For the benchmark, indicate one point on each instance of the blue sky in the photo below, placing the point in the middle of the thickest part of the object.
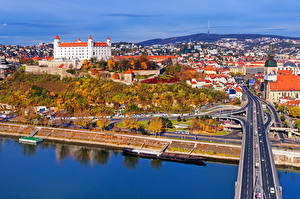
(34, 21)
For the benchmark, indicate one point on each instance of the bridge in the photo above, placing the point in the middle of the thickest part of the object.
(257, 176)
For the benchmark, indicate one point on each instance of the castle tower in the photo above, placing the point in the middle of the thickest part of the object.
(108, 41)
(56, 47)
(90, 47)
(270, 72)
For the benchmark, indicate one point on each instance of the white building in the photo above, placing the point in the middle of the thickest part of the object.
(81, 50)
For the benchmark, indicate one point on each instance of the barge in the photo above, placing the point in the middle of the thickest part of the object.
(184, 158)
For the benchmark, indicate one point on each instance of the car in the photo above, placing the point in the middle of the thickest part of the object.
(259, 128)
(272, 190)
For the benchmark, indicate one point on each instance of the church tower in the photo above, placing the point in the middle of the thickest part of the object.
(270, 72)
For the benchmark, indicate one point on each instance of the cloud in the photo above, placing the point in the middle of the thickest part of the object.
(32, 25)
(129, 15)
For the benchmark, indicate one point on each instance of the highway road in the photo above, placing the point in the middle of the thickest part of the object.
(267, 168)
(247, 166)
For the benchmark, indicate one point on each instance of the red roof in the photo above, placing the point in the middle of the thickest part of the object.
(129, 71)
(150, 57)
(209, 68)
(285, 72)
(90, 37)
(292, 103)
(100, 44)
(108, 38)
(73, 44)
(56, 37)
(60, 66)
(287, 82)
(79, 39)
(237, 89)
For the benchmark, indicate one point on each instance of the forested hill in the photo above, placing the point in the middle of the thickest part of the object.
(209, 38)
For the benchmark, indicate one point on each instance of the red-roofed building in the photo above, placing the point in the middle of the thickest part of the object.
(209, 70)
(287, 85)
(157, 59)
(81, 50)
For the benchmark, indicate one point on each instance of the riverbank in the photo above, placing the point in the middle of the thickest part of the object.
(209, 150)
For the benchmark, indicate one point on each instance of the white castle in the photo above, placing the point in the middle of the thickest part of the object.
(81, 50)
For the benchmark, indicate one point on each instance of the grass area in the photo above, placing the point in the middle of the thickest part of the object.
(141, 123)
(187, 122)
(219, 133)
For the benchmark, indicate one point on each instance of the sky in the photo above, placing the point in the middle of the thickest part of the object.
(27, 22)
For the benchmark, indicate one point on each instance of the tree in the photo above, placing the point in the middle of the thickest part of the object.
(131, 123)
(111, 64)
(281, 108)
(156, 125)
(166, 122)
(132, 64)
(294, 111)
(297, 124)
(144, 65)
(85, 123)
(195, 125)
(102, 123)
(178, 119)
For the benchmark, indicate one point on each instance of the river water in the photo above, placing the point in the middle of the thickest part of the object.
(56, 170)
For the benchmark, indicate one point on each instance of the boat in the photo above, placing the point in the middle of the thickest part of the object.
(30, 140)
(185, 158)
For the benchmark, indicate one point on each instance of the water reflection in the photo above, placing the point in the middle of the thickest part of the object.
(82, 154)
(131, 162)
(156, 164)
(28, 150)
(102, 157)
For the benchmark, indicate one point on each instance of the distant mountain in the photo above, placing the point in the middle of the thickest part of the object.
(204, 37)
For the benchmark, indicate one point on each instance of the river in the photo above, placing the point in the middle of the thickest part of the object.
(57, 170)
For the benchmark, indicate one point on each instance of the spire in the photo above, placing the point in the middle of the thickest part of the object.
(79, 40)
(271, 62)
(108, 38)
(271, 53)
(57, 37)
(90, 38)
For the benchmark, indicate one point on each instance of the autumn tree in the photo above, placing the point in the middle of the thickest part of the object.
(85, 123)
(195, 125)
(144, 65)
(156, 125)
(111, 64)
(294, 111)
(102, 123)
(131, 123)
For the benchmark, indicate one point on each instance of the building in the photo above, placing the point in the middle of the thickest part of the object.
(270, 72)
(286, 86)
(81, 50)
(279, 84)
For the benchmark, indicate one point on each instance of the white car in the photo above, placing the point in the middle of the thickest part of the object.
(272, 190)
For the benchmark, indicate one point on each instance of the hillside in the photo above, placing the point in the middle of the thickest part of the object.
(204, 37)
